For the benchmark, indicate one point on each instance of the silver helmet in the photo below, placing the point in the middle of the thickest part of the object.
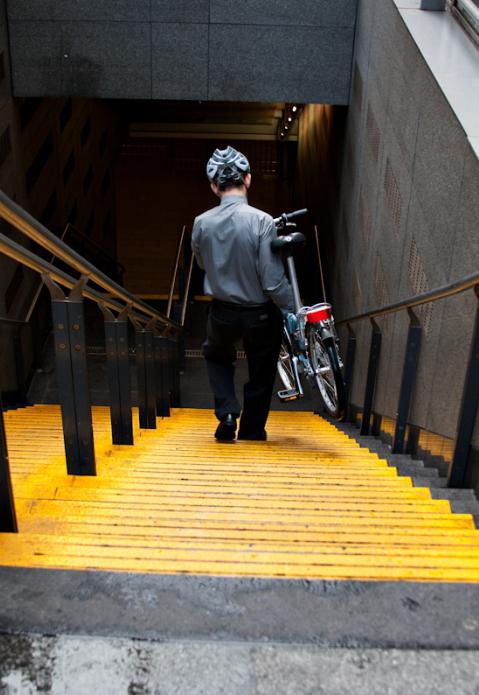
(227, 167)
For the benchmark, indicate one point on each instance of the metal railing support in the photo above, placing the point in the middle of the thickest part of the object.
(162, 376)
(376, 424)
(118, 371)
(412, 443)
(71, 368)
(174, 365)
(8, 518)
(145, 371)
(175, 271)
(468, 411)
(411, 360)
(374, 355)
(349, 371)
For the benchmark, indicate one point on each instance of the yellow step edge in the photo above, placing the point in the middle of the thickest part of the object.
(226, 509)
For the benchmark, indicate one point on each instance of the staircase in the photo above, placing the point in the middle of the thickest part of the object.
(310, 503)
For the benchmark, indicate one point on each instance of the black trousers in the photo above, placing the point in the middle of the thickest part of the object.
(260, 329)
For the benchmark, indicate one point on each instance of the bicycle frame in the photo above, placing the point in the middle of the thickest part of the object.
(313, 348)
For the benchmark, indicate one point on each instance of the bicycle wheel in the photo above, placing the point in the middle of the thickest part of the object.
(327, 373)
(285, 367)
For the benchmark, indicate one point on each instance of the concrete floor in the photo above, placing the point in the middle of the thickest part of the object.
(81, 666)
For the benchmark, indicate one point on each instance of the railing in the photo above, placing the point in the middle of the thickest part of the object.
(467, 14)
(18, 325)
(183, 276)
(157, 350)
(470, 396)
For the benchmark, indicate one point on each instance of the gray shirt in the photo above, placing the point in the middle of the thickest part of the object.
(232, 243)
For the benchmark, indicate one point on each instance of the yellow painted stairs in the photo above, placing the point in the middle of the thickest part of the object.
(308, 503)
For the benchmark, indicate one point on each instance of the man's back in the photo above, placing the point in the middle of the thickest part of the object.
(232, 243)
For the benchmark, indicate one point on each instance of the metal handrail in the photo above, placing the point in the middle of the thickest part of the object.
(28, 225)
(29, 259)
(11, 322)
(36, 297)
(187, 290)
(465, 283)
(470, 397)
(175, 271)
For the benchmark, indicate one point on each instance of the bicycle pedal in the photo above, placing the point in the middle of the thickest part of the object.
(289, 395)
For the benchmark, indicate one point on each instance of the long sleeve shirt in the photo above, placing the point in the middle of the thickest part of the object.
(232, 243)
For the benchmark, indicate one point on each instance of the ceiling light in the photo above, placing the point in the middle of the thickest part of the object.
(294, 109)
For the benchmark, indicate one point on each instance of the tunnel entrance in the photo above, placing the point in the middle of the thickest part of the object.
(161, 183)
(124, 178)
(161, 186)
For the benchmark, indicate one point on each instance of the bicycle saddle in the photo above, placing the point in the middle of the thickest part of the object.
(294, 239)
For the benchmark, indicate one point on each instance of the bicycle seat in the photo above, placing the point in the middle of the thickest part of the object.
(289, 240)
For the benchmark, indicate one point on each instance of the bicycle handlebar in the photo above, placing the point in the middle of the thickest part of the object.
(286, 217)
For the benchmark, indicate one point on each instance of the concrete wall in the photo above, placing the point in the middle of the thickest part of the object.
(407, 218)
(255, 50)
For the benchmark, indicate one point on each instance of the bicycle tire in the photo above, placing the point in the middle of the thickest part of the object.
(285, 367)
(329, 381)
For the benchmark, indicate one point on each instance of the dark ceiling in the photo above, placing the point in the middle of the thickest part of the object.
(197, 119)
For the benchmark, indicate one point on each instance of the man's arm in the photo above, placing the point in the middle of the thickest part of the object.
(195, 243)
(271, 270)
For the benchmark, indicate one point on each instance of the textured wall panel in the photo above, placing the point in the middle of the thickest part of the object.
(192, 11)
(418, 209)
(282, 64)
(180, 61)
(98, 59)
(80, 10)
(340, 13)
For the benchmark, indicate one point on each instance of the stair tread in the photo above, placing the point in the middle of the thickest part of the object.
(310, 502)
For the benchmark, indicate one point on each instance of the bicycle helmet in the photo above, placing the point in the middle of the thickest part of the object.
(227, 167)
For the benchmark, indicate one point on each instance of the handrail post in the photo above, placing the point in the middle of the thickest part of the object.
(411, 360)
(174, 364)
(145, 371)
(374, 355)
(72, 377)
(8, 518)
(162, 376)
(175, 271)
(412, 444)
(118, 369)
(468, 411)
(184, 306)
(349, 371)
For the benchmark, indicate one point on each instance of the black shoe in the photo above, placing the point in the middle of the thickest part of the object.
(226, 430)
(253, 436)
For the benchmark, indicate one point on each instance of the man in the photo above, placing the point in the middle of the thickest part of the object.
(232, 243)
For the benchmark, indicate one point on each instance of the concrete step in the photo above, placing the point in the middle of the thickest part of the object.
(430, 482)
(455, 494)
(410, 468)
(433, 476)
(465, 507)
